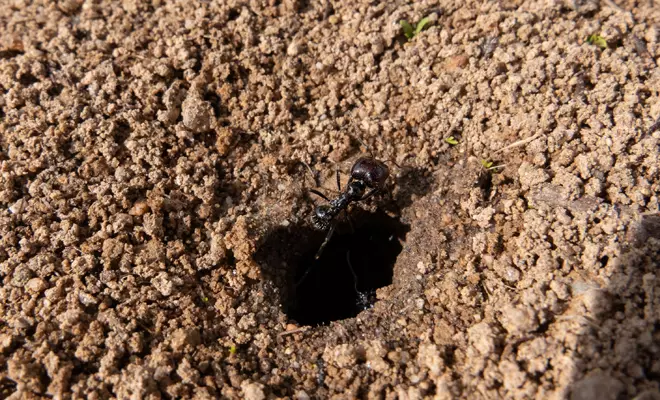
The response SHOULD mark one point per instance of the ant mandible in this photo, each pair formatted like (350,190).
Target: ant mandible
(368,176)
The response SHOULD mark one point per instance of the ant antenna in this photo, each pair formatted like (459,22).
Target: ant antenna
(315,176)
(356,129)
(365,145)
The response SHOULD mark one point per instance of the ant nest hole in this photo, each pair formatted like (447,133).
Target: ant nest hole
(343,281)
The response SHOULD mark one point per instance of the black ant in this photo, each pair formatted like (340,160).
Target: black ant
(368,176)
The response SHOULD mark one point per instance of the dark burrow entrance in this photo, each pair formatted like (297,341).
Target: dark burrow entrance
(343,281)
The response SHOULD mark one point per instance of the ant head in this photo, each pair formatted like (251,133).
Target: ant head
(372,172)
(322,217)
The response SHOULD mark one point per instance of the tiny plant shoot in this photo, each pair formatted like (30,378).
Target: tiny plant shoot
(486,164)
(451,140)
(411,31)
(597,40)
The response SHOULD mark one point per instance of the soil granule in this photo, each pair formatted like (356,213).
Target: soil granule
(156,159)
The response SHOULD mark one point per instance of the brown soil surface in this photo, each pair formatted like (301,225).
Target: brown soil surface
(155,227)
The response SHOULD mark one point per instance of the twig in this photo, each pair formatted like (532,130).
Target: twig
(579,318)
(291,332)
(614,5)
(505,285)
(654,127)
(518,143)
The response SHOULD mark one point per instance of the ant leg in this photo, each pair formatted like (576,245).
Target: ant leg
(318,255)
(389,195)
(350,266)
(321,195)
(350,221)
(369,194)
(326,241)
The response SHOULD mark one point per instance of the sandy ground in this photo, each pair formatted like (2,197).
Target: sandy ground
(155,221)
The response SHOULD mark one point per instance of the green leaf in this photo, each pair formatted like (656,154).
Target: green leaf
(597,40)
(421,24)
(451,140)
(486,164)
(232,349)
(407,29)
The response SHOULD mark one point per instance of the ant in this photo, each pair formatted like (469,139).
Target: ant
(368,176)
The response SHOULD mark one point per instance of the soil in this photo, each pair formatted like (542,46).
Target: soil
(156,159)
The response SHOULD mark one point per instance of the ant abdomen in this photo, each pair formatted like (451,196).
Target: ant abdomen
(322,217)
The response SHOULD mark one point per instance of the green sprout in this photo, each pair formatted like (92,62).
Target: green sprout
(232,349)
(205,299)
(411,31)
(486,164)
(597,40)
(451,140)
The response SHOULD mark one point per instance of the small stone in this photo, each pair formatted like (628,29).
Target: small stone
(224,140)
(185,337)
(163,283)
(112,249)
(196,114)
(512,375)
(22,274)
(596,301)
(294,48)
(253,390)
(429,356)
(69,6)
(531,176)
(421,267)
(301,395)
(482,338)
(511,274)
(377,45)
(121,222)
(187,372)
(18,207)
(597,387)
(291,327)
(139,208)
(456,62)
(6,341)
(560,289)
(519,320)
(36,285)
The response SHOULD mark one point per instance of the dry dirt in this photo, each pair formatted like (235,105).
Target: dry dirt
(155,173)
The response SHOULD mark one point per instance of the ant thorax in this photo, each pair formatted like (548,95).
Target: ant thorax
(324,214)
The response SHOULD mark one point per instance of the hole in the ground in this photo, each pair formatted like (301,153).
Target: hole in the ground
(319,291)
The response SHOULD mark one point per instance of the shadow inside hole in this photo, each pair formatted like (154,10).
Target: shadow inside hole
(329,289)
(413,181)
